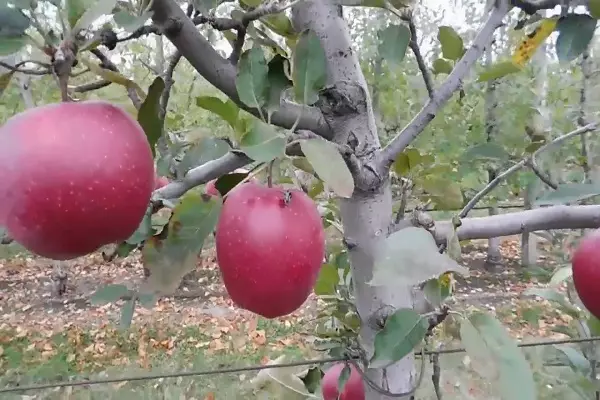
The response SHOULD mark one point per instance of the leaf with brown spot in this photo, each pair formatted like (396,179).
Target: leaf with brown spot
(168,260)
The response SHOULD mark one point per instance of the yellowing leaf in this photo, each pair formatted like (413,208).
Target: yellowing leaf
(532,42)
(113,76)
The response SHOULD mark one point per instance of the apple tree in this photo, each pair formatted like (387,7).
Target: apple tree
(314,209)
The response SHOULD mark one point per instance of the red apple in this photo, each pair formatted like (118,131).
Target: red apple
(211,188)
(353,389)
(76,176)
(160,181)
(586,272)
(270,245)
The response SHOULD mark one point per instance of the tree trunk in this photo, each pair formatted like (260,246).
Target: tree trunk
(494,257)
(367,215)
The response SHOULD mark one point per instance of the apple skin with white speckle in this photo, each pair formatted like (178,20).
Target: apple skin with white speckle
(76,176)
(586,272)
(270,244)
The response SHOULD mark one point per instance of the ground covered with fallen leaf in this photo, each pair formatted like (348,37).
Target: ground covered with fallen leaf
(44,337)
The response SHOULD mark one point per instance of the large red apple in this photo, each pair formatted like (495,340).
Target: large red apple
(586,272)
(211,188)
(270,245)
(353,389)
(75,176)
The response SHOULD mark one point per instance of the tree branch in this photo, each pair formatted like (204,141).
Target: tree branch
(106,63)
(445,91)
(539,219)
(17,68)
(541,174)
(532,6)
(164,100)
(182,32)
(414,46)
(496,181)
(202,174)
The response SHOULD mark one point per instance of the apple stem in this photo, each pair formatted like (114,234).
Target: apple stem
(270,174)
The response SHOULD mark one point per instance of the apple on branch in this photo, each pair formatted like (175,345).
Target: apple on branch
(353,389)
(270,244)
(77,176)
(586,272)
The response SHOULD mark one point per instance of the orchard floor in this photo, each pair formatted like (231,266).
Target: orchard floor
(43,338)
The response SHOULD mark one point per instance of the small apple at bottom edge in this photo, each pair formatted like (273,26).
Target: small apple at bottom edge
(353,389)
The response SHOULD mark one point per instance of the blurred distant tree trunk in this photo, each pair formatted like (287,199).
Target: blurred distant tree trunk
(583,119)
(540,124)
(494,257)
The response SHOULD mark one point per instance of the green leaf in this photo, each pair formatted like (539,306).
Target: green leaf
(75,10)
(227,110)
(594,7)
(112,76)
(561,275)
(495,352)
(408,160)
(127,314)
(262,142)
(402,332)
(278,81)
(409,257)
(148,115)
(327,281)
(147,300)
(95,10)
(343,378)
(309,68)
(13,23)
(575,32)
(452,44)
(498,70)
(568,193)
(554,296)
(393,42)
(576,360)
(329,164)
(11,45)
(445,194)
(109,294)
(144,230)
(433,292)
(442,66)
(5,80)
(228,181)
(169,259)
(486,152)
(202,151)
(252,81)
(130,22)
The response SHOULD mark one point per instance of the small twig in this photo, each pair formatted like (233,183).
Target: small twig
(541,174)
(496,181)
(88,87)
(414,46)
(106,63)
(531,7)
(406,186)
(62,64)
(169,81)
(17,68)
(443,93)
(436,376)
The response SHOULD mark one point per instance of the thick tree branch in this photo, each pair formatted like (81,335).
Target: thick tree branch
(446,90)
(539,219)
(532,6)
(202,174)
(182,32)
(496,181)
(169,81)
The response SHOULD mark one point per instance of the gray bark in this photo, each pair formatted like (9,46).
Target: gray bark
(367,215)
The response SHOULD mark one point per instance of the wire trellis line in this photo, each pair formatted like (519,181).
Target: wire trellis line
(251,368)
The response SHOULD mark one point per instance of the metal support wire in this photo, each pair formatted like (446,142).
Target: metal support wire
(133,378)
